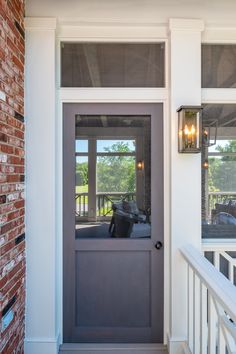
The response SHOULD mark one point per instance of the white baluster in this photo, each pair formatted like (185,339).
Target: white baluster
(190,309)
(221,341)
(217,260)
(203,310)
(212,322)
(196,315)
(231,272)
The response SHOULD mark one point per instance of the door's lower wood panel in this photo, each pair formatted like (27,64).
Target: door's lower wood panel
(112,291)
(113,349)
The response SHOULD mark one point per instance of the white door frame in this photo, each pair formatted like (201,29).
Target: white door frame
(44,100)
(104,33)
(100,96)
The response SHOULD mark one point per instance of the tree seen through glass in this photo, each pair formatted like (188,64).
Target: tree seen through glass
(222,169)
(116,173)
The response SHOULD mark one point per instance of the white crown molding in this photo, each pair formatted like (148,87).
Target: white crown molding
(91,31)
(40,23)
(219,34)
(189,25)
(108,22)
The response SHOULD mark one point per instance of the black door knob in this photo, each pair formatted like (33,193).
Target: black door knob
(159,245)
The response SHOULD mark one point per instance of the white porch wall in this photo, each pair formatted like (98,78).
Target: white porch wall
(185,89)
(41,326)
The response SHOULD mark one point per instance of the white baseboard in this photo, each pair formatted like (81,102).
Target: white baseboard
(41,346)
(175,345)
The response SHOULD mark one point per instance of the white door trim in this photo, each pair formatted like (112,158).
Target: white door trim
(103,32)
(118,96)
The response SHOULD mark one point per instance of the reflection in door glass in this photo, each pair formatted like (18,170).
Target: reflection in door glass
(113,177)
(81,186)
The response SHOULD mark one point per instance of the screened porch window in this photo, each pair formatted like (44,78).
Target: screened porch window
(218,66)
(219,172)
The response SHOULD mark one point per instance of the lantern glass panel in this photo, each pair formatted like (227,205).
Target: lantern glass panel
(189,130)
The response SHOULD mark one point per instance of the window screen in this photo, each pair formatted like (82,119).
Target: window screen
(112,65)
(218,66)
(219,172)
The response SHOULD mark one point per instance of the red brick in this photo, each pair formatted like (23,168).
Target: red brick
(19,169)
(15,160)
(6,208)
(18,63)
(19,204)
(4,249)
(7,149)
(14,233)
(12,261)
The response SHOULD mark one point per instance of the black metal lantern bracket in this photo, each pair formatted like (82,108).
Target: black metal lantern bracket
(206,136)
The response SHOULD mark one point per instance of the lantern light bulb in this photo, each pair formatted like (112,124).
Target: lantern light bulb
(193,130)
(186,130)
(140,165)
(206,164)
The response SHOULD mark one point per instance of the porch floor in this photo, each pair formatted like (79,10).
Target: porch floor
(93,230)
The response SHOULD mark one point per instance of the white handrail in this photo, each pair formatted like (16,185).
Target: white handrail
(211,307)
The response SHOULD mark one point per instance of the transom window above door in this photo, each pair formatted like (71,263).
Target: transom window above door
(112,64)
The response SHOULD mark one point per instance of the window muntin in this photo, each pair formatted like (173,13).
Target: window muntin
(112,64)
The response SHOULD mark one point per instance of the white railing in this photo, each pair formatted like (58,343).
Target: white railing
(104,202)
(211,307)
(222,253)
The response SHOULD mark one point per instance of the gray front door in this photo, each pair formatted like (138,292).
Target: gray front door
(113,286)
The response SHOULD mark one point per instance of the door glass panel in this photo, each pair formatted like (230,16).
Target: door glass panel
(112,64)
(113,190)
(218,172)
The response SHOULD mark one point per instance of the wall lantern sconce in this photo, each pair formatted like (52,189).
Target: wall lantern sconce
(190,129)
(140,165)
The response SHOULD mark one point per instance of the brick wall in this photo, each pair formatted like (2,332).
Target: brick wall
(12,244)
